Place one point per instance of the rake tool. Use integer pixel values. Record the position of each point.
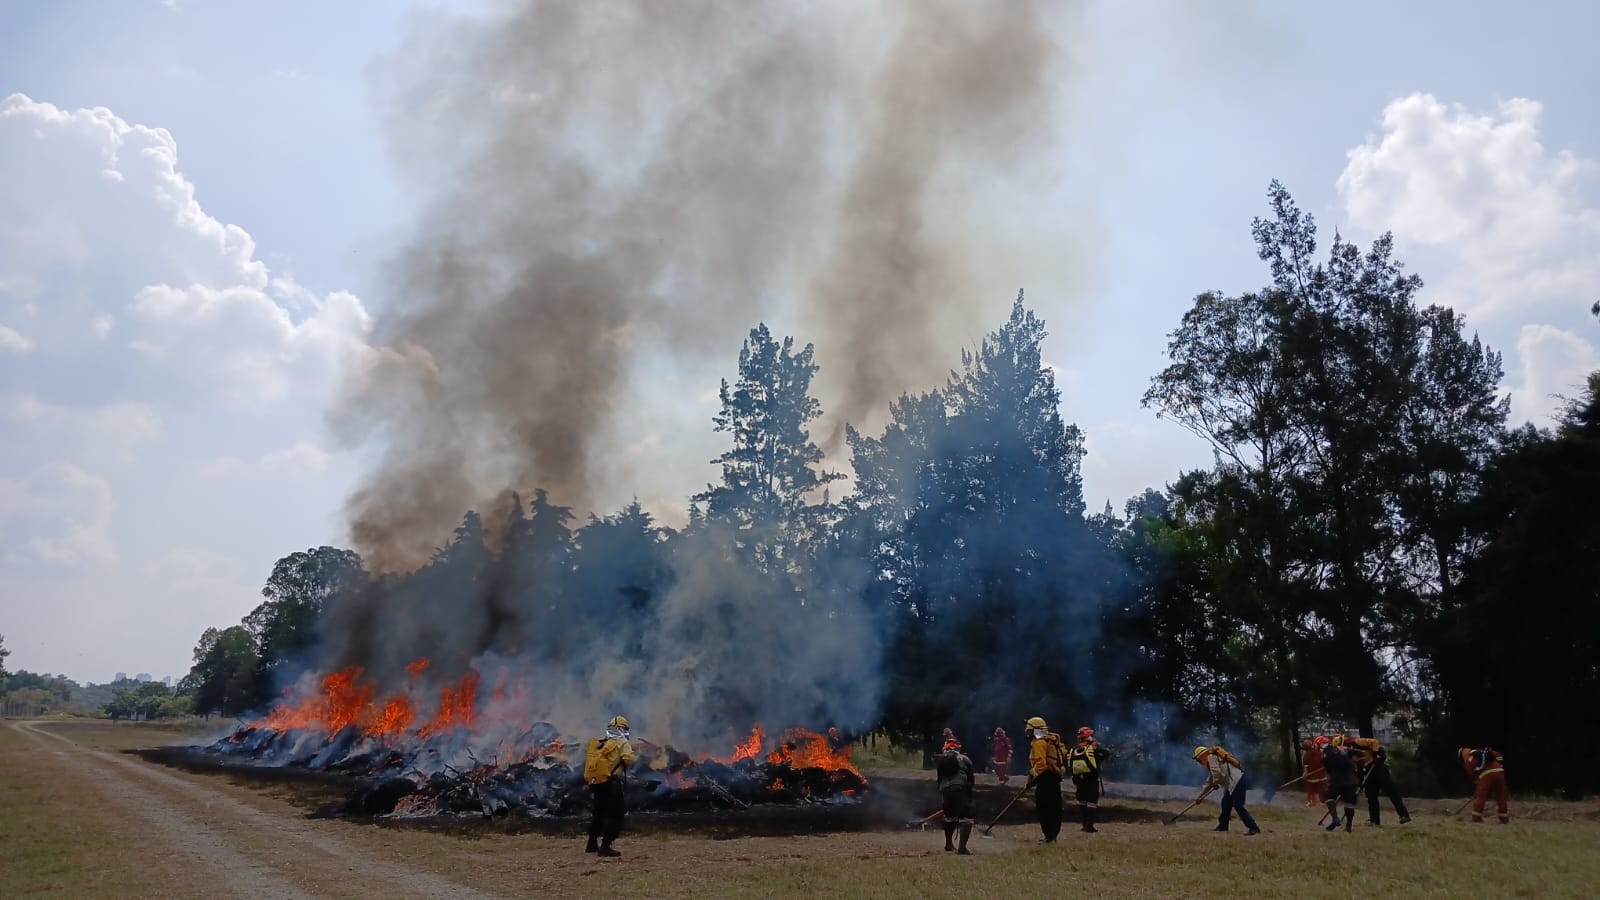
(922, 823)
(988, 830)
(1197, 801)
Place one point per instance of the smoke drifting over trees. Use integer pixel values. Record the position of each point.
(615, 187)
(615, 191)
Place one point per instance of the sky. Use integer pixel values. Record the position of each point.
(198, 203)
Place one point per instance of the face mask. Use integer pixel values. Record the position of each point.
(1038, 733)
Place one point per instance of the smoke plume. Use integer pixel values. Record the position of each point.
(617, 190)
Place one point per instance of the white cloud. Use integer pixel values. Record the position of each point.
(1555, 365)
(1483, 188)
(58, 515)
(301, 459)
(99, 221)
(11, 339)
(157, 338)
(122, 424)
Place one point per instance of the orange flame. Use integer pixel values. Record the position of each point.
(455, 706)
(804, 749)
(749, 747)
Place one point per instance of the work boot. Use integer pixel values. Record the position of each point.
(949, 832)
(966, 832)
(1404, 819)
(607, 850)
(1088, 819)
(1333, 813)
(593, 847)
(1349, 820)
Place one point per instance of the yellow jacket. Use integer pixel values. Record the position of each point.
(1047, 754)
(1363, 751)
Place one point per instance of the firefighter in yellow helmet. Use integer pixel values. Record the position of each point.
(1224, 770)
(1047, 762)
(604, 768)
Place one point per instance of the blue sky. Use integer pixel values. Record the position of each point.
(199, 202)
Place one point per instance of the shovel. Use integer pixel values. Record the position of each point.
(1197, 801)
(988, 830)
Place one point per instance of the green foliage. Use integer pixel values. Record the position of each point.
(300, 585)
(225, 677)
(769, 475)
(1517, 657)
(1352, 430)
(147, 701)
(970, 506)
(25, 693)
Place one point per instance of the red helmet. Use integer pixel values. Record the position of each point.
(1085, 733)
(952, 744)
(1323, 740)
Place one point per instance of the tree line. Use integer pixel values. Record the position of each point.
(1372, 537)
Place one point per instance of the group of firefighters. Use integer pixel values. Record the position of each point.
(1335, 769)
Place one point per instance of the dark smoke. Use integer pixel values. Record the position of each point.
(620, 189)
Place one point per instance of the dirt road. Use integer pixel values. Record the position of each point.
(246, 850)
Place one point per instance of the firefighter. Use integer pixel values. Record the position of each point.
(1083, 761)
(1316, 776)
(1369, 756)
(604, 768)
(1001, 753)
(1342, 781)
(956, 777)
(1487, 768)
(1224, 770)
(1047, 762)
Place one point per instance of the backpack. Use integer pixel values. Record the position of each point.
(602, 761)
(1056, 756)
(1083, 761)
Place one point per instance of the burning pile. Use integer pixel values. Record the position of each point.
(474, 756)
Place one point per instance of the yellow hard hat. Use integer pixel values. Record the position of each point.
(618, 722)
(1037, 722)
(1201, 751)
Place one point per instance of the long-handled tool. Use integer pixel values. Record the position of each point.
(1462, 807)
(1291, 781)
(1197, 801)
(988, 829)
(922, 823)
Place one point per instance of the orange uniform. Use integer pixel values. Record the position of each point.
(1487, 768)
(1316, 775)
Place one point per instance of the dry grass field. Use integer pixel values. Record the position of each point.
(79, 817)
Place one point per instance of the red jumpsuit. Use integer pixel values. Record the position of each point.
(1488, 769)
(1002, 756)
(1316, 776)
